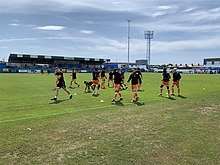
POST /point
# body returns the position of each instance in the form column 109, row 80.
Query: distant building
column 212, row 64
column 27, row 61
column 141, row 62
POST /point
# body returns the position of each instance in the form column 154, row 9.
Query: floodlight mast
column 129, row 22
column 148, row 36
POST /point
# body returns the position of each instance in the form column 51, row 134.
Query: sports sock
column 172, row 90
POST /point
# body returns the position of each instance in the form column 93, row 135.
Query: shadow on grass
column 87, row 92
column 95, row 95
column 139, row 103
column 141, row 90
column 59, row 101
column 73, row 88
column 182, row 97
column 170, row 98
column 119, row 103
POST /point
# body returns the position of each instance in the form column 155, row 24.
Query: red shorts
column 117, row 86
column 134, row 87
column 74, row 79
column 175, row 83
column 96, row 82
column 166, row 83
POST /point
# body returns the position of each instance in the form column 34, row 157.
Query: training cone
column 75, row 94
column 101, row 101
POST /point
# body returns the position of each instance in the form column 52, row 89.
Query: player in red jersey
column 134, row 77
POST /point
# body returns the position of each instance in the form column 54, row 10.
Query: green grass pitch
column 83, row 130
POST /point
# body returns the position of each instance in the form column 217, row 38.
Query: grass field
column 155, row 130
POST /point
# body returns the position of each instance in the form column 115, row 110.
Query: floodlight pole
column 129, row 21
column 148, row 35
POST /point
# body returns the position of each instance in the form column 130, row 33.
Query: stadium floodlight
column 129, row 22
column 148, row 36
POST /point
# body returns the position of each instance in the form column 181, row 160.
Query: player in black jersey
column 176, row 79
column 134, row 77
column 95, row 80
column 60, row 83
column 88, row 86
column 74, row 78
column 165, row 81
column 123, row 85
column 140, row 79
column 117, row 82
column 110, row 79
column 103, row 77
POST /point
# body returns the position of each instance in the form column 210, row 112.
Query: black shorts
column 61, row 84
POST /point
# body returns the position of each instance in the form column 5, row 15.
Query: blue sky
column 185, row 31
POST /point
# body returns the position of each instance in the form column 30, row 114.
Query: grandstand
column 19, row 62
column 212, row 65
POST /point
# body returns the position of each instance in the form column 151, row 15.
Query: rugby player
column 176, row 81
column 103, row 77
column 110, row 79
column 117, row 82
column 88, row 86
column 60, row 83
column 165, row 82
column 134, row 77
column 74, row 79
column 140, row 79
column 96, row 84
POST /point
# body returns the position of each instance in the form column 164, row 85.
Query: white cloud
column 206, row 15
column 186, row 45
column 86, row 31
column 159, row 13
column 17, row 39
column 188, row 25
column 189, row 9
column 164, row 7
column 50, row 27
column 14, row 24
column 89, row 22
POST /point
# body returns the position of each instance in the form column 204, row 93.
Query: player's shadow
column 170, row 98
column 182, row 97
column 119, row 103
column 95, row 95
column 141, row 90
column 73, row 87
column 58, row 101
column 139, row 103
column 87, row 92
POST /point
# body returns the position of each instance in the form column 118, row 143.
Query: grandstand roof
column 212, row 59
column 15, row 57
